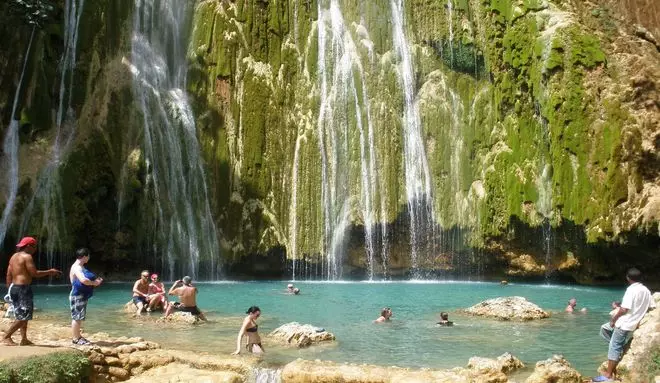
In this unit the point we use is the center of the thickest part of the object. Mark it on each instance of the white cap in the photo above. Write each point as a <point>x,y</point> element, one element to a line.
<point>290,285</point>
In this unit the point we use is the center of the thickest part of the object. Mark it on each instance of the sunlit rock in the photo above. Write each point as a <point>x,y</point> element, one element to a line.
<point>301,335</point>
<point>554,370</point>
<point>508,308</point>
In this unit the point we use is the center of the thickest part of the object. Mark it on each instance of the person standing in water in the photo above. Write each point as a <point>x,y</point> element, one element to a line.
<point>187,294</point>
<point>83,282</point>
<point>250,328</point>
<point>385,315</point>
<point>572,303</point>
<point>20,273</point>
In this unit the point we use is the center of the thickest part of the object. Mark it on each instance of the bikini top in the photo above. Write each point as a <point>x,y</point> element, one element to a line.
<point>156,288</point>
<point>252,329</point>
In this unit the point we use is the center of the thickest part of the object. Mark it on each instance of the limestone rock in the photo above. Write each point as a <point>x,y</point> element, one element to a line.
<point>504,363</point>
<point>301,335</point>
<point>118,373</point>
<point>181,317</point>
<point>177,372</point>
<point>129,307</point>
<point>508,308</point>
<point>554,370</point>
<point>305,371</point>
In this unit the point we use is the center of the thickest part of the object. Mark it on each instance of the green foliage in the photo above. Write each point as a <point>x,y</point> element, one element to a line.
<point>58,367</point>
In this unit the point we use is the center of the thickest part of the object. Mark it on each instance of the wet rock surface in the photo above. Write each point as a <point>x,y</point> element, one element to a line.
<point>554,370</point>
<point>301,335</point>
<point>508,308</point>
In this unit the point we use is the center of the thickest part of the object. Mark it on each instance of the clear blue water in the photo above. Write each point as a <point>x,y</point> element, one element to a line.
<point>347,309</point>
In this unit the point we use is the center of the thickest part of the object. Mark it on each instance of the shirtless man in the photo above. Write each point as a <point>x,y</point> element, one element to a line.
<point>20,272</point>
<point>141,291</point>
<point>187,294</point>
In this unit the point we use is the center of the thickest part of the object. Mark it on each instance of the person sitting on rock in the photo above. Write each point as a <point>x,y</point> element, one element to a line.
<point>385,315</point>
<point>251,329</point>
<point>618,332</point>
<point>572,303</point>
<point>157,297</point>
<point>187,294</point>
<point>141,291</point>
<point>444,320</point>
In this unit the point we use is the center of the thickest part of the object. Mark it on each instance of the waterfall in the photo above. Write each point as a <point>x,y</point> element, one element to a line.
<point>293,210</point>
<point>182,228</point>
<point>48,192</point>
<point>344,114</point>
<point>450,22</point>
<point>417,175</point>
<point>10,150</point>
<point>267,375</point>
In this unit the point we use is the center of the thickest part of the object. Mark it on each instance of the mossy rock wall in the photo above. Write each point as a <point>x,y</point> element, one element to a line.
<point>530,124</point>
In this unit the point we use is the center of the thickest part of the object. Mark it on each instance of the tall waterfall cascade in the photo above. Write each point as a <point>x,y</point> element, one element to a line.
<point>46,208</point>
<point>182,229</point>
<point>10,150</point>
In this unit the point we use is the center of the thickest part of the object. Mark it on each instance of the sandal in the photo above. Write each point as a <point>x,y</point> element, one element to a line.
<point>81,342</point>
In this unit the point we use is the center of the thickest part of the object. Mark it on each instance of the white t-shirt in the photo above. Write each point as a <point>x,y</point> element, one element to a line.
<point>637,300</point>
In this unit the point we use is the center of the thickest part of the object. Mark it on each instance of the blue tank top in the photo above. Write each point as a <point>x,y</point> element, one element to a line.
<point>79,288</point>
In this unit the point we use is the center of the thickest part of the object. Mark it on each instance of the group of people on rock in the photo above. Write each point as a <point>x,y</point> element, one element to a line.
<point>151,296</point>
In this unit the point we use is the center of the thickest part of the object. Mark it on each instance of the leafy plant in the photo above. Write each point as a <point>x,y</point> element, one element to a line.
<point>34,12</point>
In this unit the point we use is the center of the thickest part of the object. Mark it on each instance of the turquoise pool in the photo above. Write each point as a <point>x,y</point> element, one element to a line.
<point>348,308</point>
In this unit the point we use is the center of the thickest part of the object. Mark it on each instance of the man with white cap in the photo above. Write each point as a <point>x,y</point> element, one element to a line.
<point>20,273</point>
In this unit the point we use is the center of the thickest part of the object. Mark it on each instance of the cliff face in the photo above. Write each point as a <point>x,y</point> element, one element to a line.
<point>357,138</point>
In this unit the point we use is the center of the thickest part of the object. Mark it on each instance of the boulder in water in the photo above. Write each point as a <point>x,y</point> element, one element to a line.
<point>181,317</point>
<point>508,308</point>
<point>554,370</point>
<point>301,335</point>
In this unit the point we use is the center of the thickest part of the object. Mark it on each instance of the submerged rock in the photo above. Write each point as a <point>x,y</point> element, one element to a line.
<point>181,317</point>
<point>301,335</point>
<point>508,308</point>
<point>304,371</point>
<point>554,370</point>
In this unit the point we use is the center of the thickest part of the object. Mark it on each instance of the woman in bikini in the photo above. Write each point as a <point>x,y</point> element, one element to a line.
<point>157,297</point>
<point>250,328</point>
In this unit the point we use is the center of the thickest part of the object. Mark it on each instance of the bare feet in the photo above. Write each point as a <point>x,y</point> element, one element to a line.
<point>8,342</point>
<point>26,342</point>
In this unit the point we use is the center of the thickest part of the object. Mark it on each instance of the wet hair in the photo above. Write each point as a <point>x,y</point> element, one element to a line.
<point>444,315</point>
<point>384,311</point>
<point>296,291</point>
<point>82,252</point>
<point>572,300</point>
<point>253,309</point>
<point>634,274</point>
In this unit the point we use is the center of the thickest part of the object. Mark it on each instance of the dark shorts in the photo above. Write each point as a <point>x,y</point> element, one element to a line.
<point>78,304</point>
<point>193,310</point>
<point>137,300</point>
<point>22,300</point>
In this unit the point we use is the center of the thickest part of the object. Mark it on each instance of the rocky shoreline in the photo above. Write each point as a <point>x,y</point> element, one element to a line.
<point>113,359</point>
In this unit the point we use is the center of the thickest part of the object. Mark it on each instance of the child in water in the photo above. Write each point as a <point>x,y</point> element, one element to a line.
<point>444,320</point>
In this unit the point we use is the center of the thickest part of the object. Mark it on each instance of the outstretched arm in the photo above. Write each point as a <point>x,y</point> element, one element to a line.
<point>29,266</point>
<point>173,288</point>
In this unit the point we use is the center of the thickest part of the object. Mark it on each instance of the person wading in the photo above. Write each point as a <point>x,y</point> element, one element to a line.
<point>20,273</point>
